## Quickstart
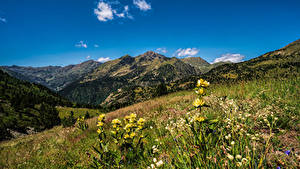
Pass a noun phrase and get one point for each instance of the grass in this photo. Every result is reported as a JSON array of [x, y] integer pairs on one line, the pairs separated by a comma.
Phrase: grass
[[177, 146], [78, 112]]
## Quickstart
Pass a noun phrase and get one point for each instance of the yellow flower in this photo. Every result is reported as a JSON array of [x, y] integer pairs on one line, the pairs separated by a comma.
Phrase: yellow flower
[[132, 135], [141, 121], [100, 124], [101, 117], [99, 131], [202, 83], [113, 132], [198, 102], [126, 136], [200, 119], [200, 91], [114, 126], [116, 121], [140, 127]]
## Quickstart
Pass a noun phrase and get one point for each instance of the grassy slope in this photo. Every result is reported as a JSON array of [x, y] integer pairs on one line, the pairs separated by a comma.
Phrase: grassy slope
[[61, 148]]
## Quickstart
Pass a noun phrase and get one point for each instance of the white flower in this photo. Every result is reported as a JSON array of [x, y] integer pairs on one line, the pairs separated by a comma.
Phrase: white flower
[[230, 157], [160, 163], [244, 160], [152, 166], [238, 156], [232, 143], [238, 164], [154, 160]]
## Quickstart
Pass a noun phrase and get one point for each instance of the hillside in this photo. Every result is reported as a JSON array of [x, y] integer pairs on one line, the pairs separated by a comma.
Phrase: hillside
[[167, 131], [26, 107], [148, 69], [53, 77], [279, 63]]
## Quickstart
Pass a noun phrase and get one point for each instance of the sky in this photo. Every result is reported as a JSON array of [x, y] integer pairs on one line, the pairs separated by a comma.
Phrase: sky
[[62, 32]]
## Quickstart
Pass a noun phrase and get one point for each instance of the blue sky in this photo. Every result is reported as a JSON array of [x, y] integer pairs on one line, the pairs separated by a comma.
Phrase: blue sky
[[62, 32]]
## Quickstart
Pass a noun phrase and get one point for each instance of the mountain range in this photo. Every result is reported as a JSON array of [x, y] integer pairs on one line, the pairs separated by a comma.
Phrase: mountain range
[[53, 77], [128, 79]]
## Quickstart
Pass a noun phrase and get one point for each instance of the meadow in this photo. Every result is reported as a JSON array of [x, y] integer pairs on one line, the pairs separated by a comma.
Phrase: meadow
[[252, 124]]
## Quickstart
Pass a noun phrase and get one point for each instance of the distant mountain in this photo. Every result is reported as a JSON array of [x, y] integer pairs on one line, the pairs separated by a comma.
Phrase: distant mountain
[[53, 77], [202, 65], [26, 107], [148, 69]]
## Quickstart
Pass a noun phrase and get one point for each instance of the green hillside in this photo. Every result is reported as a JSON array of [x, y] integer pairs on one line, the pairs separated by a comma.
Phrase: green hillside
[[26, 107], [148, 69]]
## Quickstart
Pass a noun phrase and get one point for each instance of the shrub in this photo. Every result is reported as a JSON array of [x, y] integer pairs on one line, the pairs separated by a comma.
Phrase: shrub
[[69, 121]]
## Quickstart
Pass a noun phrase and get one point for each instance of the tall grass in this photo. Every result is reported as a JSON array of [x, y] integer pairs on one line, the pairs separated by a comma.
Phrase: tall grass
[[251, 124]]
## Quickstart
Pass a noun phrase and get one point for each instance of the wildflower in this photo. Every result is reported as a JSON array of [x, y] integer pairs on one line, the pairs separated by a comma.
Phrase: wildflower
[[230, 157], [100, 124], [126, 136], [198, 102], [141, 121], [159, 163], [202, 83], [238, 156], [232, 143], [99, 131], [101, 117], [244, 161], [287, 152], [238, 164], [278, 167], [116, 121], [154, 160], [200, 91], [132, 135], [200, 119], [114, 132], [152, 166]]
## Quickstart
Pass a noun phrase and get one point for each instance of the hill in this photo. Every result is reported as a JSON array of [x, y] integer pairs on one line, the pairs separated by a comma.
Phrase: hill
[[26, 107], [241, 129], [53, 77], [146, 70], [279, 63]]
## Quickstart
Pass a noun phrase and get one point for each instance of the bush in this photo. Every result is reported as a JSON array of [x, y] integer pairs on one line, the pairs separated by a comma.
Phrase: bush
[[69, 121]]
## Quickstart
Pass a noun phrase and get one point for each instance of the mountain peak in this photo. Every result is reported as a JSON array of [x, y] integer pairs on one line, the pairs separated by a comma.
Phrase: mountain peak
[[150, 55]]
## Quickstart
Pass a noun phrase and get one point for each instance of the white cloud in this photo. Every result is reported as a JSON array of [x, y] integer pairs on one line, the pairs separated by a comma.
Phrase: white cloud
[[230, 57], [161, 50], [188, 52], [81, 44], [104, 12], [124, 14], [102, 59], [96, 46], [3, 20], [88, 57], [142, 5]]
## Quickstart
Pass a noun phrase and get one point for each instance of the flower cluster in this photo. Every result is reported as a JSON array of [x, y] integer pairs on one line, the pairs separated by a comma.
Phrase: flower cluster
[[81, 124], [132, 127], [201, 85], [100, 123]]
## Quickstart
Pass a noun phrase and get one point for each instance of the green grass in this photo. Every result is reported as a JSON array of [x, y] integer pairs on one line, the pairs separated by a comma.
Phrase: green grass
[[178, 146], [65, 112]]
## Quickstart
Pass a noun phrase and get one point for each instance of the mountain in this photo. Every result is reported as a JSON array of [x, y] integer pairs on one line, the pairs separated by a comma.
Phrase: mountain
[[202, 65], [283, 62], [26, 107], [53, 77], [148, 69]]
